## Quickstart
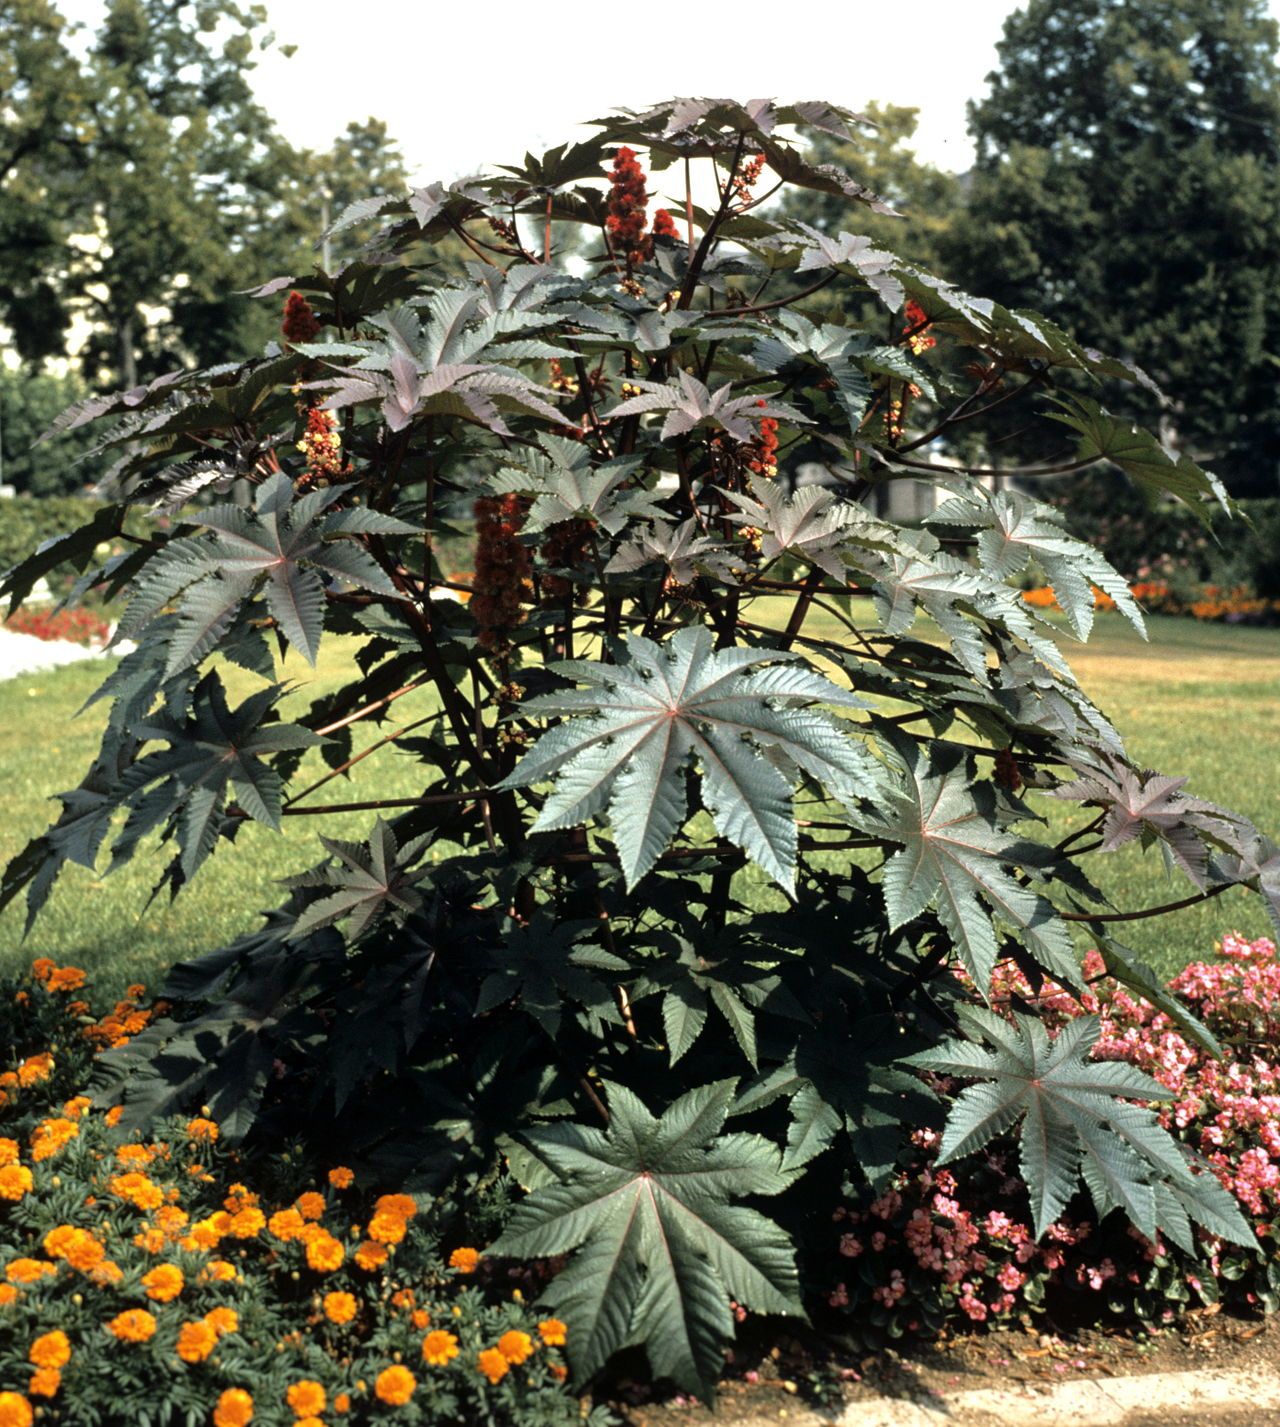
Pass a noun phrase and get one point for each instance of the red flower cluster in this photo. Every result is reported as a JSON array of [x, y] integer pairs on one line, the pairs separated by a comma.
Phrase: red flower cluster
[[502, 570], [628, 204], [300, 323], [78, 626], [917, 327], [748, 178], [664, 225], [322, 446]]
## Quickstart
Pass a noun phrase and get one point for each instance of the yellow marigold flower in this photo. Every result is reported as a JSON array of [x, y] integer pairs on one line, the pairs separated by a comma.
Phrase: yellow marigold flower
[[15, 1410], [439, 1348], [342, 1403], [370, 1256], [234, 1409], [552, 1332], [395, 1385], [464, 1260], [220, 1271], [493, 1365], [29, 1270], [51, 1350], [134, 1325], [45, 1382], [8, 1294], [339, 1307], [324, 1253], [222, 1320], [405, 1205], [515, 1347], [138, 1190], [341, 1177], [49, 1136], [8, 1151], [247, 1223], [164, 1282], [15, 1182], [286, 1224], [310, 1205], [387, 1228], [196, 1341], [202, 1129], [307, 1398]]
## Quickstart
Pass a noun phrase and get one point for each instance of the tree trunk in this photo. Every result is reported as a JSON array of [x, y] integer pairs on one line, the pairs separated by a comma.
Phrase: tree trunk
[[128, 361]]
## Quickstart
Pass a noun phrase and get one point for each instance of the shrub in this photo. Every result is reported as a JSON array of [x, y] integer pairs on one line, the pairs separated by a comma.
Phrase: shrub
[[171, 1279], [601, 943]]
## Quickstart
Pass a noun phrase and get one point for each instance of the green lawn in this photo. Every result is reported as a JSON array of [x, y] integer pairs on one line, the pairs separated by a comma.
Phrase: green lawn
[[1200, 700]]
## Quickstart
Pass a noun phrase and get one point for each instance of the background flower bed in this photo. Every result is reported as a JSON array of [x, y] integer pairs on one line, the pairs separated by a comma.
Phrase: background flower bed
[[1236, 604], [170, 1281], [172, 1277]]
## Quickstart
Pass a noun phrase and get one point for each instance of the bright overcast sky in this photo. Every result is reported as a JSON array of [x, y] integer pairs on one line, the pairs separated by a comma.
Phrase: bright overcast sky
[[462, 85]]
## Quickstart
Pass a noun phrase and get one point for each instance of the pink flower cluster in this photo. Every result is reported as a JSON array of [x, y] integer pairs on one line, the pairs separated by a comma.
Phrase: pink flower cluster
[[955, 1244]]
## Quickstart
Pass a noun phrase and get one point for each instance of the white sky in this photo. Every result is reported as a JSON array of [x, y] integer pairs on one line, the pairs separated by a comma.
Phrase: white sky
[[462, 85]]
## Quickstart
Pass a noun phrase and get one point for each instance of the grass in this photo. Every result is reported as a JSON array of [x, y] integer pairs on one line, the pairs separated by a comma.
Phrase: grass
[[1199, 700]]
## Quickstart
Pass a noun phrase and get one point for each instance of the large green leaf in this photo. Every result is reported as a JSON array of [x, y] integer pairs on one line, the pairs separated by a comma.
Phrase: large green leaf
[[1078, 1117], [643, 719], [659, 1247]]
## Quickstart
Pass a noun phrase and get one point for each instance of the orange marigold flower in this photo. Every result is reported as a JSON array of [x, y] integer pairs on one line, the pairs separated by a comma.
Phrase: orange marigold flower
[[552, 1332], [286, 1224], [234, 1409], [559, 1371], [370, 1256], [134, 1325], [307, 1398], [403, 1298], [15, 1410], [164, 1282], [339, 1307], [387, 1228], [51, 1350], [84, 1253], [138, 1190], [42, 968], [105, 1273], [341, 1177], [49, 1136], [464, 1260], [395, 1385], [9, 1151], [29, 1270], [247, 1223], [45, 1382], [439, 1348], [403, 1205], [325, 1253], [135, 991], [8, 1294], [220, 1271], [202, 1129], [135, 1154], [15, 1181], [310, 1205], [420, 1318], [342, 1403], [76, 1106], [112, 1117], [515, 1347], [196, 1341], [308, 1422], [66, 978], [493, 1365], [222, 1320]]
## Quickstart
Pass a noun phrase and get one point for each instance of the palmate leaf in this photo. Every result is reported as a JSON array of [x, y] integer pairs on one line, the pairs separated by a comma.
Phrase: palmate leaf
[[659, 1247], [1014, 529], [956, 859], [643, 719], [683, 549], [364, 881], [542, 967], [688, 403], [810, 523], [565, 485], [1077, 1119]]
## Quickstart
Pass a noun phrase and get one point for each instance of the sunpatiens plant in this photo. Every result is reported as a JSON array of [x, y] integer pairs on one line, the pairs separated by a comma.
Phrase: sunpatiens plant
[[721, 777]]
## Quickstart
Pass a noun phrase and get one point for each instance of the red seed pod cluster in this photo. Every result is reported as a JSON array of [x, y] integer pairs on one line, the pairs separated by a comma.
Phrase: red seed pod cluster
[[628, 204], [300, 323], [502, 570], [564, 548], [748, 178], [664, 225], [763, 457], [917, 327], [1006, 771]]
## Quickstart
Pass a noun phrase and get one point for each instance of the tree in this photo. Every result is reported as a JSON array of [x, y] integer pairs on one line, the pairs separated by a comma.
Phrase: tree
[[556, 956], [30, 402], [144, 185], [1128, 176]]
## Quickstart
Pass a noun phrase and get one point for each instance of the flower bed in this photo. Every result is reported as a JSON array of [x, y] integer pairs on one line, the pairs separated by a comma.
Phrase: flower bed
[[1237, 605], [946, 1246], [77, 626], [168, 1281]]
